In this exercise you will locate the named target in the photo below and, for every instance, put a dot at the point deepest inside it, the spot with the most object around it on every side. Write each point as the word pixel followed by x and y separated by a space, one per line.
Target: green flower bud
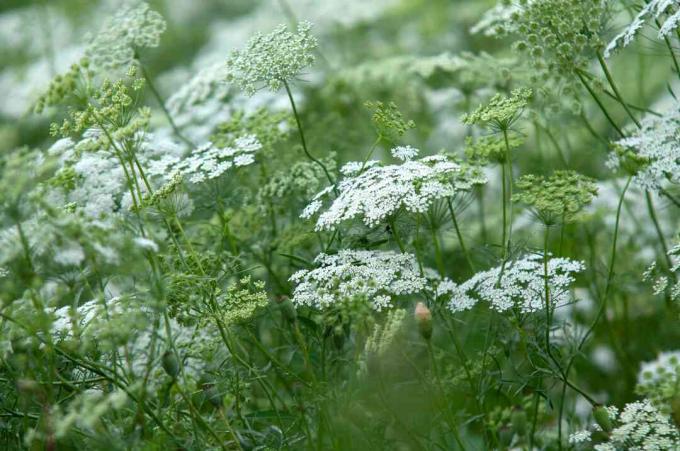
pixel 170 364
pixel 602 418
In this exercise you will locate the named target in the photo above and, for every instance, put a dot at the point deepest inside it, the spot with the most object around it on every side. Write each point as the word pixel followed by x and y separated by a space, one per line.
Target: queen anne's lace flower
pixel 133 26
pixel 379 192
pixel 640 426
pixel 272 59
pixel 653 11
pixel 207 161
pixel 371 276
pixel 659 381
pixel 521 286
pixel 652 152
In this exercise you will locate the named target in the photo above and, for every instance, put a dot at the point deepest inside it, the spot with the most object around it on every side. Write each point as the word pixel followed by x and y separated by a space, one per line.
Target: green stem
pixel 395 234
pixel 302 135
pixel 460 235
pixel 610 79
pixel 161 103
pixel 599 103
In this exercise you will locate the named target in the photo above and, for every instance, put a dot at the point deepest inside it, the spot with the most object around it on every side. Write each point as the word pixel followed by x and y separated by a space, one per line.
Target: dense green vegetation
pixel 346 225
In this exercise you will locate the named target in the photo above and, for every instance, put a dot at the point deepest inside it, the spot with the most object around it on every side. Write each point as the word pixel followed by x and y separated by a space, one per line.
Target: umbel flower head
pixel 659 381
pixel 358 275
pixel 379 192
pixel 554 37
pixel 559 198
pixel 521 287
pixel 272 59
pixel 640 426
pixel 208 161
pixel 501 112
pixel 656 11
pixel 133 26
pixel 652 152
pixel 388 120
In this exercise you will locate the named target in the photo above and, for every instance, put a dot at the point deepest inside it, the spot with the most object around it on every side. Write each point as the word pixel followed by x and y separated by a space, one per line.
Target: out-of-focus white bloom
pixel 71 254
pixel 272 59
pixel 604 358
pixel 521 285
pixel 499 15
pixel 146 244
pixel 125 325
pixel 665 366
pixel 134 25
pixel 656 147
pixel 653 11
pixel 378 192
pixel 372 276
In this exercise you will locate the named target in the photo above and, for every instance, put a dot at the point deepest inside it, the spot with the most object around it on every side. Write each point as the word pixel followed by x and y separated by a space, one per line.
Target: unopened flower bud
pixel 424 319
pixel 602 418
pixel 170 364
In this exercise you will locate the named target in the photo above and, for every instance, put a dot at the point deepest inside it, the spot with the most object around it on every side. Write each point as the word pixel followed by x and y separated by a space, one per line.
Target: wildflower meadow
pixel 408 225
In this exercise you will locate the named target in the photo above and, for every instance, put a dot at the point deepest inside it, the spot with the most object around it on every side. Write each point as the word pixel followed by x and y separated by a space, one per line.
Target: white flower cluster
pixel 378 192
pixel 99 178
pixel 124 324
pixel 372 276
pixel 134 25
pixel 640 426
pixel 521 285
pixel 656 146
pixel 501 14
pixel 653 11
pixel 272 59
pixel 666 365
pixel 207 161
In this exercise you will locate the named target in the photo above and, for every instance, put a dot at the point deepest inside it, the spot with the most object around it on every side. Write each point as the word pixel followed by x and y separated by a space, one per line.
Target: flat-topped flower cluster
pixel 372 276
pixel 519 284
pixel 374 192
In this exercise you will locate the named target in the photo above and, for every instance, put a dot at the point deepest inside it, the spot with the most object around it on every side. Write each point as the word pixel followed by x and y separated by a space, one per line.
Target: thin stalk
pixel 610 272
pixel 302 135
pixel 161 103
pixel 599 103
pixel 460 235
pixel 610 79
pixel 437 249
pixel 440 385
pixel 395 234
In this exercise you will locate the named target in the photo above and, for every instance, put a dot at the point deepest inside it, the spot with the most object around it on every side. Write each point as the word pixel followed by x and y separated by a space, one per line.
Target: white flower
pixel 146 244
pixel 521 286
pixel 134 25
pixel 207 161
pixel 656 144
pixel 579 437
pixel 372 276
pixel 666 365
pixel 404 153
pixel 381 191
pixel 643 427
pixel 653 11
pixel 71 254
pixel 272 59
